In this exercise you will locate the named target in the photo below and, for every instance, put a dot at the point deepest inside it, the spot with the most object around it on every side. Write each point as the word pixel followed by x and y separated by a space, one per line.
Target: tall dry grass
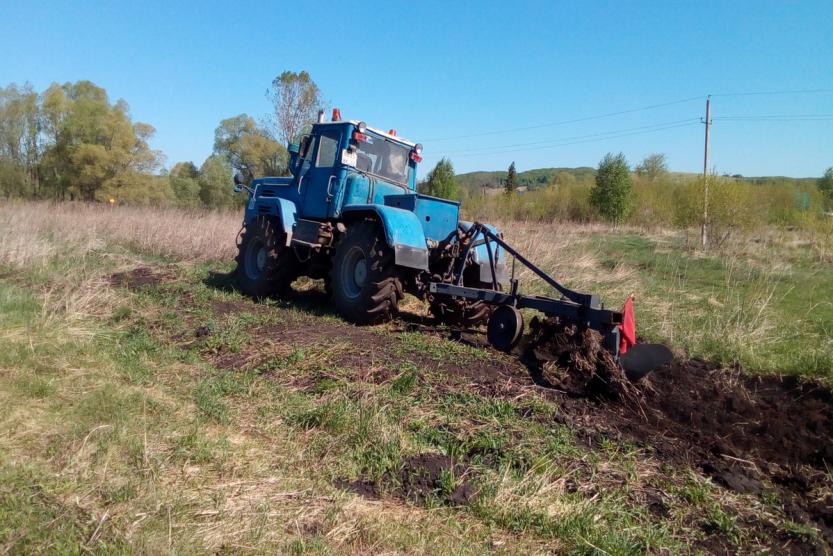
pixel 33 232
pixel 564 250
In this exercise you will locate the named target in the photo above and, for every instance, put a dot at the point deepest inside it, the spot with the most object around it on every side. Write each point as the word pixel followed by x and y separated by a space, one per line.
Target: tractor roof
pixel 374 130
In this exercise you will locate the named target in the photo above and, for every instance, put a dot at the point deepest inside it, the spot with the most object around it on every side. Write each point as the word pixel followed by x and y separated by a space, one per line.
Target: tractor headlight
pixel 361 127
pixel 418 149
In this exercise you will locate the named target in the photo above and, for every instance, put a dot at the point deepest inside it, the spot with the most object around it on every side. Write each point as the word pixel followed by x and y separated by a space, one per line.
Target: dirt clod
pixel 575 361
pixel 137 278
pixel 427 475
pixel 366 489
pixel 421 478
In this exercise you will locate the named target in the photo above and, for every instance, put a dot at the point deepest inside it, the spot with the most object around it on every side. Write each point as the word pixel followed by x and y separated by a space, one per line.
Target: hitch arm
pixel 584 299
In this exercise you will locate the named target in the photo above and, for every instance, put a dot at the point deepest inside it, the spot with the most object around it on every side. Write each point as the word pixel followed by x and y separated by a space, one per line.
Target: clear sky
pixel 463 77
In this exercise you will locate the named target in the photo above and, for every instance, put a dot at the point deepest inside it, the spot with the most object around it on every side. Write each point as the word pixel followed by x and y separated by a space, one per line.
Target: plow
pixel 350 214
pixel 572 309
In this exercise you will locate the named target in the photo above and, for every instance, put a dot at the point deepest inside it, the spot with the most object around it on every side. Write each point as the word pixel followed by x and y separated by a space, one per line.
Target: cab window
pixel 310 149
pixel 327 150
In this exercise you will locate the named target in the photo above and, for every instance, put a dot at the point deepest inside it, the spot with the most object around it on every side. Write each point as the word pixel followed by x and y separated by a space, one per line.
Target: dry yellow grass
pixel 33 232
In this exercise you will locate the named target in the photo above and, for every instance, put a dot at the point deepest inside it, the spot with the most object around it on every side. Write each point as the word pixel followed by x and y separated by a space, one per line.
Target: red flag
pixel 627 332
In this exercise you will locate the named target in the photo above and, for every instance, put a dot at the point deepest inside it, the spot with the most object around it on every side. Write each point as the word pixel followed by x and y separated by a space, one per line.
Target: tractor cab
pixel 345 162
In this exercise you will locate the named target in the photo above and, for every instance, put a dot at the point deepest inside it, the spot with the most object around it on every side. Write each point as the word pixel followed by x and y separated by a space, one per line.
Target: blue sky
pixel 462 77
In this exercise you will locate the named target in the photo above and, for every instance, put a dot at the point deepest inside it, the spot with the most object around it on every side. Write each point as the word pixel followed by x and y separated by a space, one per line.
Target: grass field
pixel 157 410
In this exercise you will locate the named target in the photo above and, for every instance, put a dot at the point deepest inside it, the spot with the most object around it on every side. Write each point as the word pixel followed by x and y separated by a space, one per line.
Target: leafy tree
pixel 825 185
pixel 215 183
pixel 511 183
pixel 136 188
pixel 12 179
pixel 440 181
pixel 652 166
pixel 185 170
pixel 185 184
pixel 248 148
pixel 610 196
pixel 296 100
pixel 91 141
pixel 20 133
pixel 186 191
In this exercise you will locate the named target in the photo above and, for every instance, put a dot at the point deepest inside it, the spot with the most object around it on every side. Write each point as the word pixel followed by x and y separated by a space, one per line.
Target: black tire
pixel 265 266
pixel 364 282
pixel 506 326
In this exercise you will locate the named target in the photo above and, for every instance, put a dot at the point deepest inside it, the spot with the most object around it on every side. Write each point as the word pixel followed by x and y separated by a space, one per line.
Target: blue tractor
pixel 350 214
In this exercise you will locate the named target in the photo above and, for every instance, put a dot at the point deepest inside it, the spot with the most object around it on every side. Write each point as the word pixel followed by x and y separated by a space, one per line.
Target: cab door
pixel 319 182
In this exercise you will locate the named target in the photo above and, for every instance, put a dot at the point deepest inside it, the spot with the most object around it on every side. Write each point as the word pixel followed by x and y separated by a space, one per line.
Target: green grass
pixel 34 519
pixel 767 310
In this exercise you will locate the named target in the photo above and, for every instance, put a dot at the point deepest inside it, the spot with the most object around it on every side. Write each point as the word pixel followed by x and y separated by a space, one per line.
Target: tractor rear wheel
pixel 264 265
pixel 364 281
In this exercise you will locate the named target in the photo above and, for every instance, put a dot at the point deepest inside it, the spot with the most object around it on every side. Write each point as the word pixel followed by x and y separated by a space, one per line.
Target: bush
pixel 611 194
pixel 734 206
pixel 441 182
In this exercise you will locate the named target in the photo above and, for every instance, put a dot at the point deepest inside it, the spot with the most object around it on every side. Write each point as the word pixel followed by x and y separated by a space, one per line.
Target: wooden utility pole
pixel 703 226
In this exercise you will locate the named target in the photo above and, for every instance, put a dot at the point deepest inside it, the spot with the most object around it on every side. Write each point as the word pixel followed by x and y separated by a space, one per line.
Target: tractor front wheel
pixel 364 282
pixel 264 265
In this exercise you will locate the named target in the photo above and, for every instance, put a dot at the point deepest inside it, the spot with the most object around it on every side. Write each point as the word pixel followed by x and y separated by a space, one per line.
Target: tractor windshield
pixel 383 158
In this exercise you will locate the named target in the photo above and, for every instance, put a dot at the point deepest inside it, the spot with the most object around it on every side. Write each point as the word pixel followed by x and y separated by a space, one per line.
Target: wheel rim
pixel 256 257
pixel 354 273
pixel 505 327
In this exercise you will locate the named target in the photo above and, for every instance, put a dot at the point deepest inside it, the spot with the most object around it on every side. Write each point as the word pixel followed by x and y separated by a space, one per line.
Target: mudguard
pixel 403 233
pixel 284 209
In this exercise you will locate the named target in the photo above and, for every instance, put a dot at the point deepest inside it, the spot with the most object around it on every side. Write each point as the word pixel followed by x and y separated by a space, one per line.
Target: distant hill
pixel 779 179
pixel 540 177
pixel 531 179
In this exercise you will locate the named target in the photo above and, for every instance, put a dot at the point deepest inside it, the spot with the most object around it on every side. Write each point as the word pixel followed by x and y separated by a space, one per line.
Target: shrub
pixel 611 194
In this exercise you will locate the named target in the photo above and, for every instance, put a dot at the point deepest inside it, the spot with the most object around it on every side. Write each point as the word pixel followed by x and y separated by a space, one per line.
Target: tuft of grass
pixel 34 519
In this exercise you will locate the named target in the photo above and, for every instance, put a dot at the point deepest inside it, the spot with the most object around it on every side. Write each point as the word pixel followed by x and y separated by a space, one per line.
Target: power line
pixel 612 135
pixel 776 118
pixel 562 139
pixel 630 111
pixel 546 144
pixel 786 92
pixel 565 122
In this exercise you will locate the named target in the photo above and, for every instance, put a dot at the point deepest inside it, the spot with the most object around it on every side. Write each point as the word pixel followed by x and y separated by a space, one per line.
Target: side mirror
pixel 293 148
pixel 238 183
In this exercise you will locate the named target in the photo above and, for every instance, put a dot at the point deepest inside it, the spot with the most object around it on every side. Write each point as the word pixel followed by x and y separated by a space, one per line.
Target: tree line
pixel 71 142
pixel 645 195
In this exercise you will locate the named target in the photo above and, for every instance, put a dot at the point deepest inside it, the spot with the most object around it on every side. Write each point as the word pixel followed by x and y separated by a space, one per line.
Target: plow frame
pixel 582 309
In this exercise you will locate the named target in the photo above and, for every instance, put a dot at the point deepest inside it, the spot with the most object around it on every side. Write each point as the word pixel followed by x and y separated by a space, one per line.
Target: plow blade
pixel 641 359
